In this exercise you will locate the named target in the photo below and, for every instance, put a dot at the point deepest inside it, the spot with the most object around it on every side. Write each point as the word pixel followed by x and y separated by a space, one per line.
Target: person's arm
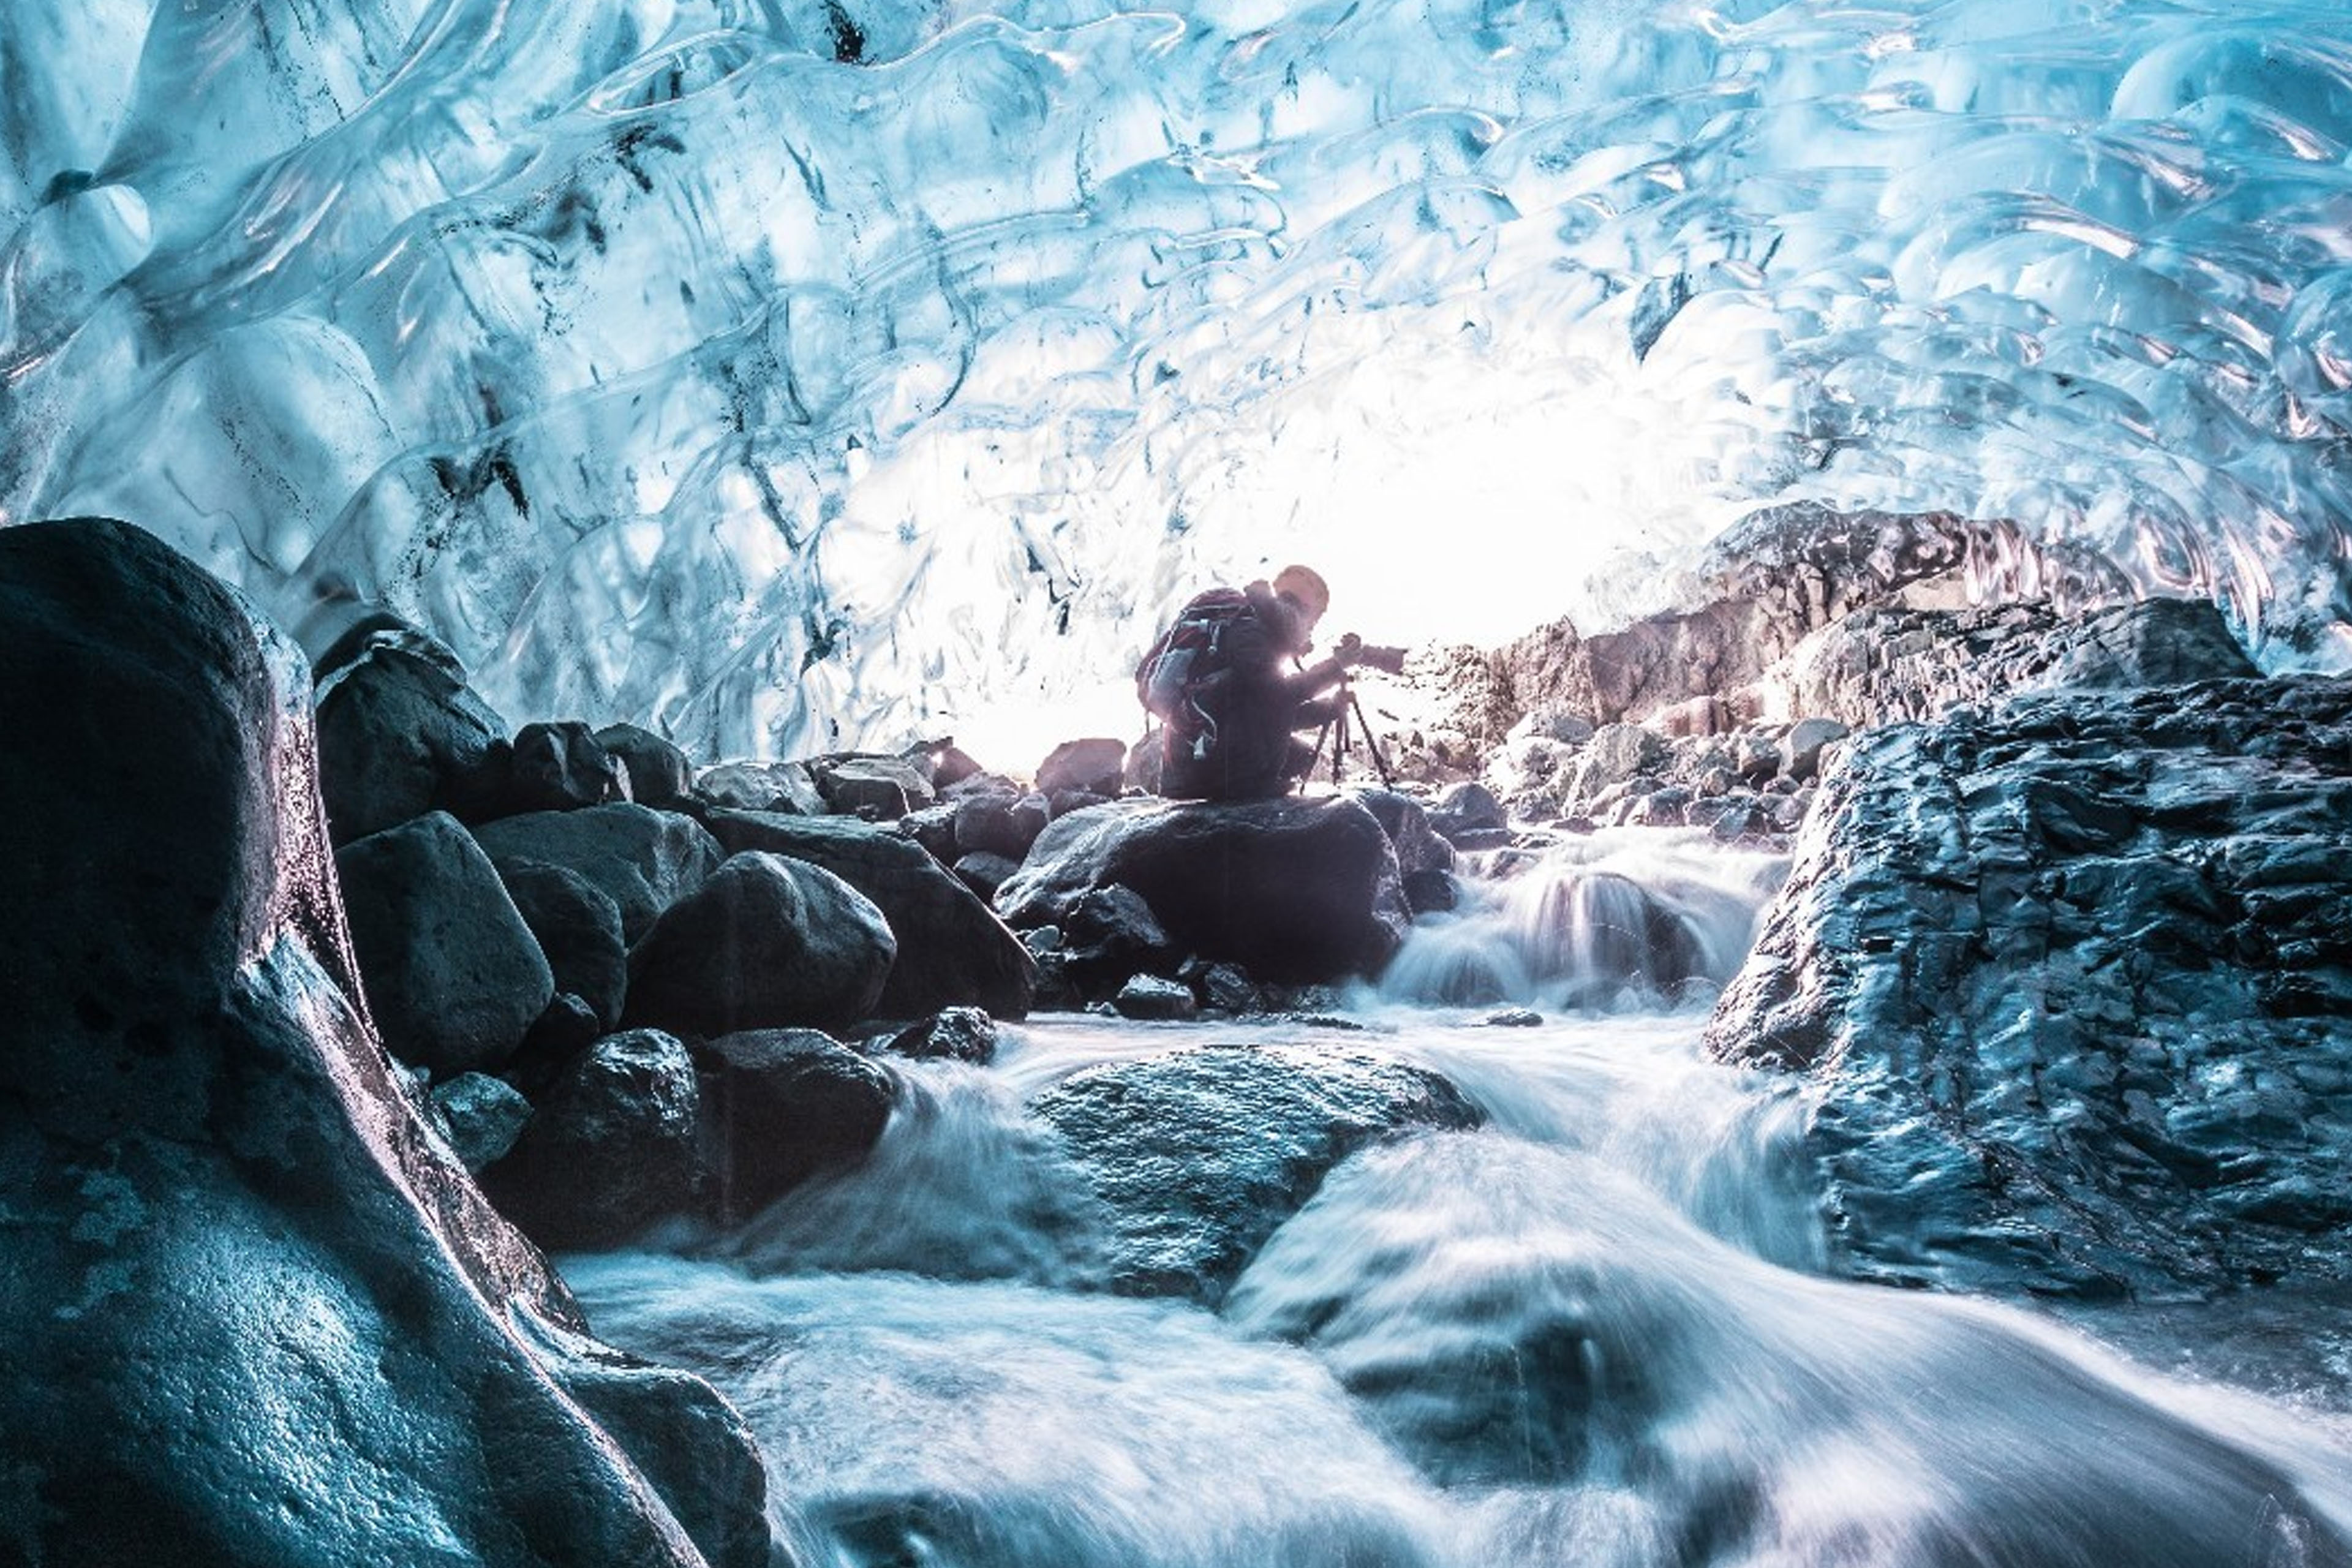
pixel 1313 681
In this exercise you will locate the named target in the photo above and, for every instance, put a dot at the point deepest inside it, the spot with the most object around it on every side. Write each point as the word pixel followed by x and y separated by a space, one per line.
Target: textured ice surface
pixel 770 370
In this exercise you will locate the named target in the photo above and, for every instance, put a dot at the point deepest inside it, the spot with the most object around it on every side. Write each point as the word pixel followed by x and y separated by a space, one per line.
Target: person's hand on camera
pixel 1350 651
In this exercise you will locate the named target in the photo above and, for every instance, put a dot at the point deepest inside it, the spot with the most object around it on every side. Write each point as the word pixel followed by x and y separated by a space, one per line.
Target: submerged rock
pixel 1293 890
pixel 952 947
pixel 766 943
pixel 1197 1156
pixel 2076 975
pixel 257 1313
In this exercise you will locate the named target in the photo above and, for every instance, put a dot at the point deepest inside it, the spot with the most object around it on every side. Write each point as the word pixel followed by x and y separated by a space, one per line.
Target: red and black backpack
pixel 1169 680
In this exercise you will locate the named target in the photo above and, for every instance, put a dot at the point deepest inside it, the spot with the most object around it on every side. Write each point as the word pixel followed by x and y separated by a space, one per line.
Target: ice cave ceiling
pixel 776 371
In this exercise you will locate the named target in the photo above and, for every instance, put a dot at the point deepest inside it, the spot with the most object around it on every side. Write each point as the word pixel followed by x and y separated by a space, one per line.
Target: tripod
pixel 1335 731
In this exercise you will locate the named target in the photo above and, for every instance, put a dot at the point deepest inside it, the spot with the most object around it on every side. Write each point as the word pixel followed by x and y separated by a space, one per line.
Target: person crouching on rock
pixel 1226 685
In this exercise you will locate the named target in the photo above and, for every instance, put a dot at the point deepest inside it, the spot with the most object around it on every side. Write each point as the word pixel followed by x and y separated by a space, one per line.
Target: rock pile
pixel 257 1312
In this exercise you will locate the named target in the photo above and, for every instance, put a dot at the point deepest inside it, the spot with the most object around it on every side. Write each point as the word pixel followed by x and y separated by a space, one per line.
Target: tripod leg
pixel 1380 762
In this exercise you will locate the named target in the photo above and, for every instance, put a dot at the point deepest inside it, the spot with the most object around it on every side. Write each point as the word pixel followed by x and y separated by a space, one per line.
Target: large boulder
pixel 780 1105
pixel 2076 978
pixel 578 928
pixel 1293 890
pixel 767 943
pixel 872 786
pixel 659 774
pixel 786 787
pixel 1095 765
pixel 453 973
pixel 563 767
pixel 643 860
pixel 611 1147
pixel 253 1311
pixel 1199 1155
pixel 952 949
pixel 401 734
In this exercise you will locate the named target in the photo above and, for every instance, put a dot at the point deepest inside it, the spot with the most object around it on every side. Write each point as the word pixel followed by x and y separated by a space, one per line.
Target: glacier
pixel 786 374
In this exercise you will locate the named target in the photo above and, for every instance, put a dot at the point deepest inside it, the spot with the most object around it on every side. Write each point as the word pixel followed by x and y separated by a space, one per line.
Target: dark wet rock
pixel 878 788
pixel 204 1148
pixel 1063 801
pixel 954 1034
pixel 401 734
pixel 453 975
pixel 578 928
pixel 1197 1156
pixel 952 950
pixel 699 1453
pixel 2074 976
pixel 659 774
pixel 1110 934
pixel 610 1148
pixel 1419 846
pixel 1431 893
pixel 1225 987
pixel 563 767
pixel 1665 807
pixel 952 766
pixel 644 860
pixel 1512 1018
pixel 1466 807
pixel 1893 664
pixel 481 1115
pixel 983 873
pixel 1291 889
pixel 1151 998
pixel 1097 765
pixel 559 1036
pixel 766 943
pixel 933 827
pixel 779 1106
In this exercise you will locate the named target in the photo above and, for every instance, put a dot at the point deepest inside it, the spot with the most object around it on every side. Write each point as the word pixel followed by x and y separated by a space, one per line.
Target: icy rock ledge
pixel 2073 977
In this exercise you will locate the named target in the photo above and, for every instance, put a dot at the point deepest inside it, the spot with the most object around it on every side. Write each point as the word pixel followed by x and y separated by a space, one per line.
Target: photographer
pixel 1225 681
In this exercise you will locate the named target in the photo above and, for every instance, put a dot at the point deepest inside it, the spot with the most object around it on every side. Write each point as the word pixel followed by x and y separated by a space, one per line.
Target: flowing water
pixel 1597 1330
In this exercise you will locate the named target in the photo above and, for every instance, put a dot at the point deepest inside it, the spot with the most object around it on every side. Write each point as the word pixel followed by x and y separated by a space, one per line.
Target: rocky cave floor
pixel 2064 949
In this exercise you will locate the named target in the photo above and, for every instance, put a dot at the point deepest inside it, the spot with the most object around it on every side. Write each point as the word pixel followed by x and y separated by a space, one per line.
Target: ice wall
pixel 780 371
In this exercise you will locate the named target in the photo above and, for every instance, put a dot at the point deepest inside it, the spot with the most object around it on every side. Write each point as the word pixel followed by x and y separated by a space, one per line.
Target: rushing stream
pixel 1596 1330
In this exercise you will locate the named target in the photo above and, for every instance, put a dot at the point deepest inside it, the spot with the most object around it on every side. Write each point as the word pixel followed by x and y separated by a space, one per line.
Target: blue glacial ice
pixel 785 372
